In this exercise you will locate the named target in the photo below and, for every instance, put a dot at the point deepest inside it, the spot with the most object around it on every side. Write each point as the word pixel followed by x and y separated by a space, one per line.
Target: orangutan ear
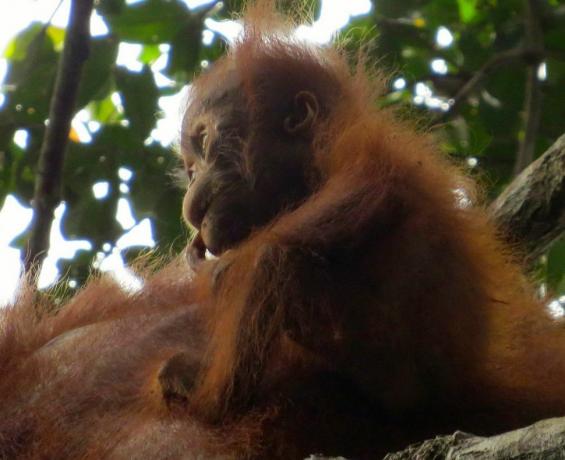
pixel 177 377
pixel 304 113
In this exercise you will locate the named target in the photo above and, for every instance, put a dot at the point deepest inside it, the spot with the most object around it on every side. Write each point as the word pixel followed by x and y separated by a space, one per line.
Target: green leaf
pixel 467 10
pixel 114 139
pixel 556 265
pixel 149 54
pixel 18 46
pixel 31 75
pixel 151 21
pixel 139 95
pixel 440 13
pixel 97 74
pixel 105 111
pixel 185 50
pixel 92 219
pixel 149 187
pixel 109 7
pixel 57 36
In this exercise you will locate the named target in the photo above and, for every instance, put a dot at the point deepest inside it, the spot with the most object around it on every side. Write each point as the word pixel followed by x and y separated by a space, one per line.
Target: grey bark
pixel 532 208
pixel 543 440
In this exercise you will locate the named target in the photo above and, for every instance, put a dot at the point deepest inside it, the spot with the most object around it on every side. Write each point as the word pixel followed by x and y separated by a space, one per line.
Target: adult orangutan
pixel 356 303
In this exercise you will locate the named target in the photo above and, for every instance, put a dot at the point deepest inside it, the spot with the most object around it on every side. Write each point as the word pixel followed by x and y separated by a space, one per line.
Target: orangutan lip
pixel 196 251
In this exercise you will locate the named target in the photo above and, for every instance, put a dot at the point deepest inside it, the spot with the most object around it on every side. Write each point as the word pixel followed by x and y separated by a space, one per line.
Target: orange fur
pixel 379 311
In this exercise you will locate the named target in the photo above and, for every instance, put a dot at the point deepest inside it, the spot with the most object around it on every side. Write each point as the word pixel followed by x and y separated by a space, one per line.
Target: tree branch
pixel 532 115
pixel 540 441
pixel 472 83
pixel 532 208
pixel 51 158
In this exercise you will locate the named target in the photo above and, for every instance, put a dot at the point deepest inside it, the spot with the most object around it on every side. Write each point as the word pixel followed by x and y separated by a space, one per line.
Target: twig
pixel 49 171
pixel 493 63
pixel 533 96
pixel 54 13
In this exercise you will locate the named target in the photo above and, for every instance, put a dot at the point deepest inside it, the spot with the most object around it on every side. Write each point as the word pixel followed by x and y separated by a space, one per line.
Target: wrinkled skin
pixel 240 179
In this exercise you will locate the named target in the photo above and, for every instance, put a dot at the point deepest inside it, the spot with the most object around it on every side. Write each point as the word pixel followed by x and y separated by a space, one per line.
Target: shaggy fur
pixel 381 310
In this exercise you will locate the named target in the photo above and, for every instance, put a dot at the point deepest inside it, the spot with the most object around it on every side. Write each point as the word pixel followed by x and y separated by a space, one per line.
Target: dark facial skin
pixel 242 172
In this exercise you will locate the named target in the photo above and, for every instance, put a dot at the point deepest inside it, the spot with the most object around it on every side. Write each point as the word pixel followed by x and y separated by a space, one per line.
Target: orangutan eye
pixel 192 173
pixel 200 141
pixel 203 140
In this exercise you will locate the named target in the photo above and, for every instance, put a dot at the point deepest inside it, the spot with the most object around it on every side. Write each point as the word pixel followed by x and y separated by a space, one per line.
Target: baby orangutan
pixel 356 303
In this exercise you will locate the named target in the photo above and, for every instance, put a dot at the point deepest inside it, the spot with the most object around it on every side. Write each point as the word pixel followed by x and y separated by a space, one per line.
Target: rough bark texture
pixel 543 440
pixel 532 208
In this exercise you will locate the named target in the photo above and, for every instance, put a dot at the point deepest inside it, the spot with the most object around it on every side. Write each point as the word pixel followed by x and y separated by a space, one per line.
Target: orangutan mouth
pixel 196 251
